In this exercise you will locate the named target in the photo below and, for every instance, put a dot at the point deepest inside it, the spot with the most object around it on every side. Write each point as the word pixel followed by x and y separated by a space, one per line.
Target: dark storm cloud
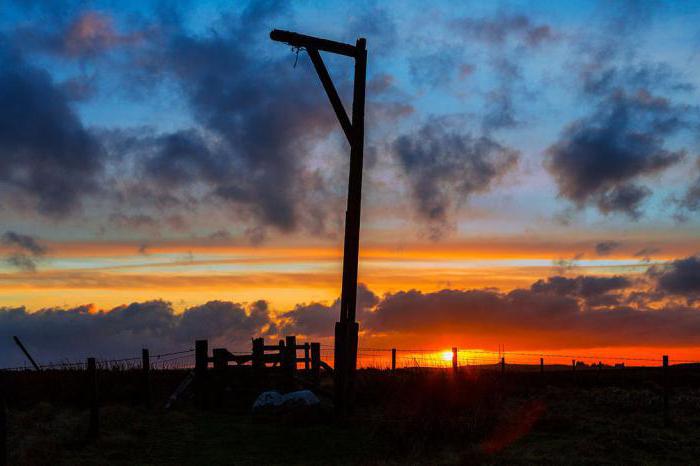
pixel 535 318
pixel 253 141
pixel 604 248
pixel 583 286
pixel 248 148
pixel 55 334
pixel 681 277
pixel 319 319
pixel 47 158
pixel 598 159
pixel 24 250
pixel 445 166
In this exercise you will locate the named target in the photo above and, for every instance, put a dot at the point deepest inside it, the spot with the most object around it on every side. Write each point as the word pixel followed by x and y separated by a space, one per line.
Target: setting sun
pixel 447 355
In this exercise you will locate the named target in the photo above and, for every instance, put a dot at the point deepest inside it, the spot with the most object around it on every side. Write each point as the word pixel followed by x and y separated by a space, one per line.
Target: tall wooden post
pixel 201 362
pixel 346 330
pixel 94 425
pixel 393 359
pixel 667 418
pixel 454 359
pixel 146 372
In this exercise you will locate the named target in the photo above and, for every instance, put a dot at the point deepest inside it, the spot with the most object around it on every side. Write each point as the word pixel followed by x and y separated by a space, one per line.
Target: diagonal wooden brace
pixel 331 92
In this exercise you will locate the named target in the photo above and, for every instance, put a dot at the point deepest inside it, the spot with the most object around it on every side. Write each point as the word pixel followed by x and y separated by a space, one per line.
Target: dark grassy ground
pixel 426 417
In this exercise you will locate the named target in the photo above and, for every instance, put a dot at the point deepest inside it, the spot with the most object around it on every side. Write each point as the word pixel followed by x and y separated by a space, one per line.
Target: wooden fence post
pixel 306 356
pixel 220 362
pixel 667 418
pixel 454 359
pixel 259 353
pixel 393 359
pixel 146 370
pixel 201 361
pixel 94 426
pixel 290 360
pixel 316 363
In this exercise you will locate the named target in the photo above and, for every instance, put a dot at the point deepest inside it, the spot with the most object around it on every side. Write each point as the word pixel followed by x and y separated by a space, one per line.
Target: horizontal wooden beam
pixel 300 40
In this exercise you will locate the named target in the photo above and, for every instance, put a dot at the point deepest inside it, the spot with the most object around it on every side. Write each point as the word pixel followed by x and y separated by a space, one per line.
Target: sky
pixel 531 177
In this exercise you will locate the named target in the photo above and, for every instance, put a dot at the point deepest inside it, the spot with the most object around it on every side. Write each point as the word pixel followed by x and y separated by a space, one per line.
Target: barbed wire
pixel 367 356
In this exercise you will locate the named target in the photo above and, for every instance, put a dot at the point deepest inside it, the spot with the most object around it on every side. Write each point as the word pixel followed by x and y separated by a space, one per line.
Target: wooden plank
pixel 301 40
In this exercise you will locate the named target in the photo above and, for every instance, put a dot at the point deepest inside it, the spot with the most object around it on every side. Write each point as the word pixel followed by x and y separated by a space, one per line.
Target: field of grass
pixel 411 417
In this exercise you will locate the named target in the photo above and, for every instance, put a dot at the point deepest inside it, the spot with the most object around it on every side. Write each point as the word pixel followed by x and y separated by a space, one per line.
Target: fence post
pixel 306 356
pixel 454 359
pixel 201 361
pixel 393 359
pixel 290 359
pixel 316 363
pixel 541 365
pixel 94 426
pixel 259 353
pixel 220 363
pixel 667 419
pixel 146 370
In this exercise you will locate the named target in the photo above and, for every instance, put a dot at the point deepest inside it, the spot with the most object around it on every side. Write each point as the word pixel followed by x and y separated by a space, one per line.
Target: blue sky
pixel 171 150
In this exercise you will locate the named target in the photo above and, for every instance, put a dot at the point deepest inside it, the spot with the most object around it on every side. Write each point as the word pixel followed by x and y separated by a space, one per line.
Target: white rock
pixel 268 400
pixel 301 397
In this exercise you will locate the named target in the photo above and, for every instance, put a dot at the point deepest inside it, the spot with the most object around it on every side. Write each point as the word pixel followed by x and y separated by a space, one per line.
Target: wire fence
pixel 386 358
pixel 172 360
